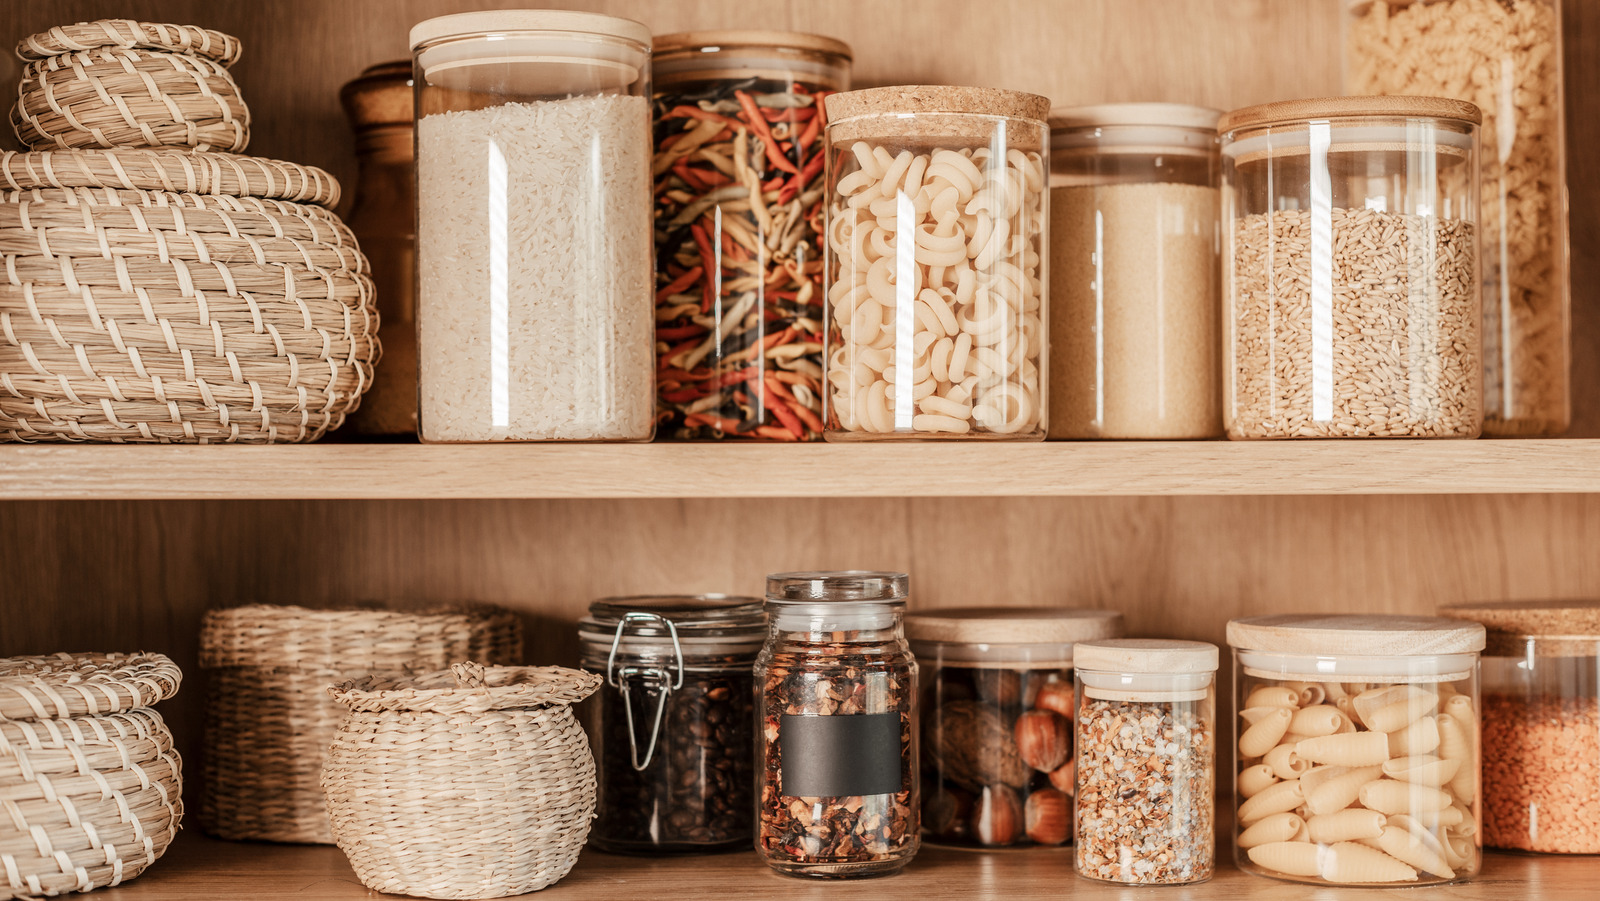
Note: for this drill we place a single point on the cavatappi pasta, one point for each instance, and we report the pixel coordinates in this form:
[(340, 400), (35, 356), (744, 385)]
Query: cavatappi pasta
[(961, 350), (1357, 783)]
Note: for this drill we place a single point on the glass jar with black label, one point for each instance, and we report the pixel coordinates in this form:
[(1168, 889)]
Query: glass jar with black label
[(836, 750)]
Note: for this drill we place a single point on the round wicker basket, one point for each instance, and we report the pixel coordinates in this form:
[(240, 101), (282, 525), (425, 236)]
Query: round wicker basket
[(469, 783), (90, 786), (269, 719), (134, 314), (121, 83)]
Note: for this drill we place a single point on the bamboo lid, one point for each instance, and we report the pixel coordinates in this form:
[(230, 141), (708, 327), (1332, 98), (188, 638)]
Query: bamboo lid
[(1285, 112), (380, 95), (1567, 627), (777, 40), (1013, 625), (1359, 635), (492, 21), (1146, 655)]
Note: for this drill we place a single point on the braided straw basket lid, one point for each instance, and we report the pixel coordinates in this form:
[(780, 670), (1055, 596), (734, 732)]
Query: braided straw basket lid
[(269, 719), (143, 302), (122, 83), (475, 782), (90, 786)]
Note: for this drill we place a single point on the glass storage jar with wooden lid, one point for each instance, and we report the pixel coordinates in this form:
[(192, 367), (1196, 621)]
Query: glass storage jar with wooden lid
[(738, 172), (1133, 272), (1506, 57), (997, 717), (937, 289), (1357, 748), (1541, 724), (1350, 276)]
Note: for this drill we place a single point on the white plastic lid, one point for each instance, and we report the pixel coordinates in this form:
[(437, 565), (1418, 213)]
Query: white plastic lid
[(1146, 655), (504, 20)]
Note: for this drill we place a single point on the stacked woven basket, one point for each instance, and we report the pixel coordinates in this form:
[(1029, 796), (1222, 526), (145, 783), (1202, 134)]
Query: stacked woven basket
[(158, 287)]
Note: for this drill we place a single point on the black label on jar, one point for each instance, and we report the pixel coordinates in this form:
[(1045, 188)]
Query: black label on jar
[(840, 756)]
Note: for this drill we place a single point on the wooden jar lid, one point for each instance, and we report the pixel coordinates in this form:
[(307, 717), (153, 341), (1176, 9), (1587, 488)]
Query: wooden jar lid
[(1356, 635), (1146, 655), (131, 34), (1285, 112), (1563, 628), (1012, 625), (784, 40), (381, 95)]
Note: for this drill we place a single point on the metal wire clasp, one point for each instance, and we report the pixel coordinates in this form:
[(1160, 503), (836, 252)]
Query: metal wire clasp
[(652, 678)]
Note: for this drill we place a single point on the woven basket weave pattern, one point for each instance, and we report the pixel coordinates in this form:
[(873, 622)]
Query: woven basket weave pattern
[(269, 720), (464, 792), (128, 33), (85, 800), (144, 316)]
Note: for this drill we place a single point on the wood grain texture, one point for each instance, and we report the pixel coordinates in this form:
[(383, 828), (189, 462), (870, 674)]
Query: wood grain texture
[(883, 469), (198, 868)]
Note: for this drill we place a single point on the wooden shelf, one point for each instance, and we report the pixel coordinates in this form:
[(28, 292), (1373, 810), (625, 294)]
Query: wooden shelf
[(200, 868), (329, 471)]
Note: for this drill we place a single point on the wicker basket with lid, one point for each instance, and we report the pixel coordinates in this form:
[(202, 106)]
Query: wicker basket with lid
[(90, 786), (269, 720)]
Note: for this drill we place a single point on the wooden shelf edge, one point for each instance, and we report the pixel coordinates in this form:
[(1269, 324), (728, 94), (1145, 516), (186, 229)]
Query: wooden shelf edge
[(889, 469)]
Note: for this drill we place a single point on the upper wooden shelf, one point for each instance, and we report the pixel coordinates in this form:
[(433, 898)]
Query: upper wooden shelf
[(328, 471)]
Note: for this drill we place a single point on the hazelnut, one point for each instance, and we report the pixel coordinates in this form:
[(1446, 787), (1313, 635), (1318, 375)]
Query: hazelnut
[(1001, 687), (1065, 777), (1048, 816), (945, 812), (1044, 740), (1056, 697), (998, 818)]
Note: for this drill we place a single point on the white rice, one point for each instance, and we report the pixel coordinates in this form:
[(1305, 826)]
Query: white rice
[(536, 269)]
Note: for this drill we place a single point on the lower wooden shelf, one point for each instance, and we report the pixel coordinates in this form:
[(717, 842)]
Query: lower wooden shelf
[(201, 868)]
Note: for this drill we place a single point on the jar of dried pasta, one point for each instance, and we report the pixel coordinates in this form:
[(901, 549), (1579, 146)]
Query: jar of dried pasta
[(836, 741), (936, 292), (1541, 724), (1146, 761), (1350, 275), (1357, 748), (1505, 56)]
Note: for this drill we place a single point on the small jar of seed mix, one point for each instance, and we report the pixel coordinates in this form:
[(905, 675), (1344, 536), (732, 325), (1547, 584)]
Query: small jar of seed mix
[(1357, 748), (1146, 758)]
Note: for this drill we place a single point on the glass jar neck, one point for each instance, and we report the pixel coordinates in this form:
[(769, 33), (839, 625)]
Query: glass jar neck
[(864, 628), (1108, 686)]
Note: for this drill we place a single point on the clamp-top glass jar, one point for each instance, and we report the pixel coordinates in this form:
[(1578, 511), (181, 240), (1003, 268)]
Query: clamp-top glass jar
[(1357, 748), (673, 726), (1350, 275), (1133, 272), (738, 169), (837, 746), (534, 303), (1541, 724), (936, 277)]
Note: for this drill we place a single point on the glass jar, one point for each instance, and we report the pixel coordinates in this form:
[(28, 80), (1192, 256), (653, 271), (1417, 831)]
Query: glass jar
[(739, 284), (1351, 306), (997, 714), (1147, 718), (1357, 748), (534, 251), (1133, 272), (1541, 724), (837, 746), (936, 284), (383, 216), (673, 727), (1505, 56)]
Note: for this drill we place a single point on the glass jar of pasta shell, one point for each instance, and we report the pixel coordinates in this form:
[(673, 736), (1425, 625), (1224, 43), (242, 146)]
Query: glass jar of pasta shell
[(937, 299), (738, 212), (1357, 749), (997, 714)]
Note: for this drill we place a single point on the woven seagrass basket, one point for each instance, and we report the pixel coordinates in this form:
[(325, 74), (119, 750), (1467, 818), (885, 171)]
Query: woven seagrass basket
[(90, 786), (170, 296), (474, 782), (269, 719), (122, 83)]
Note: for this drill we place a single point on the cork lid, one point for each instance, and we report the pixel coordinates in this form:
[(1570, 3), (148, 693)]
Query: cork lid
[(937, 98), (1356, 635), (778, 40), (1013, 625), (1146, 655), (381, 95), (1565, 627), (502, 20), (1399, 106)]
